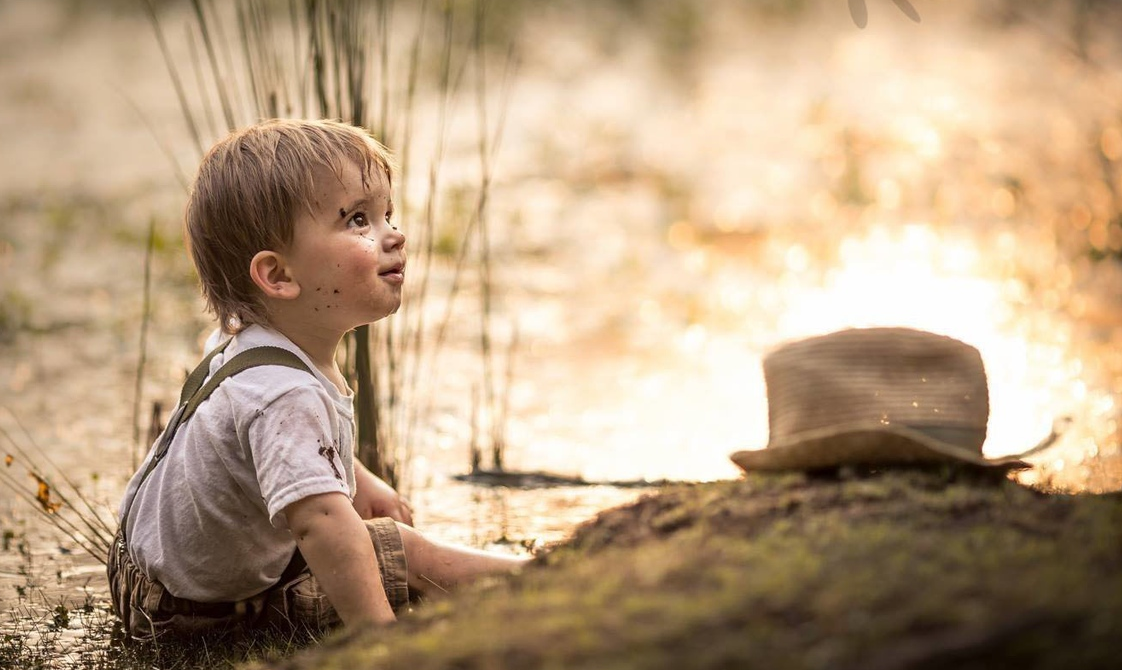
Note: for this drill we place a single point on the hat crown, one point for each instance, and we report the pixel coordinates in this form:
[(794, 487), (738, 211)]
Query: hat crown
[(890, 377)]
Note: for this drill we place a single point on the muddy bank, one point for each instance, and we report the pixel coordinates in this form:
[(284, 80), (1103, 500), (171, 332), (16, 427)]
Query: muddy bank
[(908, 569)]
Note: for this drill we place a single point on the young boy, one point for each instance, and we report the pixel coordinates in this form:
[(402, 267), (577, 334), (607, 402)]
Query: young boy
[(251, 510)]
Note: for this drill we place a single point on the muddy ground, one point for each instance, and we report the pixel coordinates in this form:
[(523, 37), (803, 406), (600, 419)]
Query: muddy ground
[(891, 570)]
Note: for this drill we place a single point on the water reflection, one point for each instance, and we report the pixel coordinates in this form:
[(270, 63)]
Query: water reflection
[(915, 276), (511, 519), (671, 401)]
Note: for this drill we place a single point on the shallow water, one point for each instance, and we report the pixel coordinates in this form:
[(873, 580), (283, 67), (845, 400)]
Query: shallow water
[(658, 230)]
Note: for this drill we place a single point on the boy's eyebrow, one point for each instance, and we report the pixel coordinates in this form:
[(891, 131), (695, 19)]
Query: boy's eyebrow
[(360, 202), (355, 204)]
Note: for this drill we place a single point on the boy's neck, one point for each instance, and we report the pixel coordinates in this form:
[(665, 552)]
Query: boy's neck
[(319, 343)]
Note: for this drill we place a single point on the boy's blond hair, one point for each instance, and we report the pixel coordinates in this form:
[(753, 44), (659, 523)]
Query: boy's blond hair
[(247, 195)]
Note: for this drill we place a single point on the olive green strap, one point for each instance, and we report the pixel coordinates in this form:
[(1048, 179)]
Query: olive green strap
[(198, 375), (195, 392), (190, 401), (250, 358)]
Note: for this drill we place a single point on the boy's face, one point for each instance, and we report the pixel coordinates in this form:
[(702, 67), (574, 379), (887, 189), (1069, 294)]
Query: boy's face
[(347, 258)]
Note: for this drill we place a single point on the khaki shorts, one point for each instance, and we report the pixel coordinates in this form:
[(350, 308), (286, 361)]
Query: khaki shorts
[(147, 610)]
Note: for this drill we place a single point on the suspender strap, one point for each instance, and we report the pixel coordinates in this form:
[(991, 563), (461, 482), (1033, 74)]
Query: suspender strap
[(195, 380), (250, 358), (195, 391)]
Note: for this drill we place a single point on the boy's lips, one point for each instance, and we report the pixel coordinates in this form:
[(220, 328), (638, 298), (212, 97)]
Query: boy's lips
[(394, 273)]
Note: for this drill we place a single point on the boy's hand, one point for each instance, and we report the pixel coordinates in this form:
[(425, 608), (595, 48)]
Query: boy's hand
[(374, 498)]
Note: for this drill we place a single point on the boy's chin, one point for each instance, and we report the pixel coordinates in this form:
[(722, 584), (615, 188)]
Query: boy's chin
[(378, 316)]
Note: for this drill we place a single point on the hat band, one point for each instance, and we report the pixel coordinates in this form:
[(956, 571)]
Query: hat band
[(967, 438)]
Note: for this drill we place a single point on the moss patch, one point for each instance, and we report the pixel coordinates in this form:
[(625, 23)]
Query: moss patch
[(904, 569)]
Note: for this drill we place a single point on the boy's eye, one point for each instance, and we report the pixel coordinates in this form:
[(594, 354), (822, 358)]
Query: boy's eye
[(358, 221)]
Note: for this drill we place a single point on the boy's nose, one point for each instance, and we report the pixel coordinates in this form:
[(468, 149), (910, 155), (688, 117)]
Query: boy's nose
[(395, 239)]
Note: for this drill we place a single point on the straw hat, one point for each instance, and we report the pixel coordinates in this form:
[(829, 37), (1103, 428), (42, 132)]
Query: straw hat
[(874, 396)]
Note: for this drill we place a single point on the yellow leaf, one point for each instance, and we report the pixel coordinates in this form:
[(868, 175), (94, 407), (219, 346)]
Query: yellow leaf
[(43, 496)]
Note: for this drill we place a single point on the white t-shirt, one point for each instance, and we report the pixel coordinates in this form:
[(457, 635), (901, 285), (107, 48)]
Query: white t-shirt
[(208, 522)]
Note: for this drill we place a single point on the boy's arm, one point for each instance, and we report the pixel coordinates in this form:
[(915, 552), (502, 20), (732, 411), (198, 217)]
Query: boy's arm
[(374, 498), (336, 545)]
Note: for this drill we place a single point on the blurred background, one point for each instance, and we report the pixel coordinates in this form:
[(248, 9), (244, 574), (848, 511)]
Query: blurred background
[(673, 188)]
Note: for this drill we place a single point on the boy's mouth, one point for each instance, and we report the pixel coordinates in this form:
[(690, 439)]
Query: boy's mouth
[(394, 273)]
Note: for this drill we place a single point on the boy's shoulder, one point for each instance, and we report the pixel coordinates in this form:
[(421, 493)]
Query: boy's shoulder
[(260, 386)]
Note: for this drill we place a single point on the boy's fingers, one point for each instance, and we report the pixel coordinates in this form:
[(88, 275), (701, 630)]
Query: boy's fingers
[(406, 512)]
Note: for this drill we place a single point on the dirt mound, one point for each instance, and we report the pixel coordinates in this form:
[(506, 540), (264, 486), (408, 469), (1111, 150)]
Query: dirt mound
[(872, 570)]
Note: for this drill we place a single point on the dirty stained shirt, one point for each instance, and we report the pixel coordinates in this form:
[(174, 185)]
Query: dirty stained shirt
[(209, 521)]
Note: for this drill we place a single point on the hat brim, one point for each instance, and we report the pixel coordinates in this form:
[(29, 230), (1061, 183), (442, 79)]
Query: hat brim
[(863, 445)]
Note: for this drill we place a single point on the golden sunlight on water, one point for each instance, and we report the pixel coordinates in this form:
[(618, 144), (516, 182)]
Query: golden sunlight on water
[(916, 277), (679, 413)]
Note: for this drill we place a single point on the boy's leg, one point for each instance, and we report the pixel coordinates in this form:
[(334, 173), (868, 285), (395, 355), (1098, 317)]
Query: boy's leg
[(445, 566)]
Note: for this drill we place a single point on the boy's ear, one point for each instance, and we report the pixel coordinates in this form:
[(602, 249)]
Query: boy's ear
[(269, 272)]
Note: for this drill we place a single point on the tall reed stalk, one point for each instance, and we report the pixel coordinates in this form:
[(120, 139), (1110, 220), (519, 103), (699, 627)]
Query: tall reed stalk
[(142, 357), (495, 402), (341, 59)]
